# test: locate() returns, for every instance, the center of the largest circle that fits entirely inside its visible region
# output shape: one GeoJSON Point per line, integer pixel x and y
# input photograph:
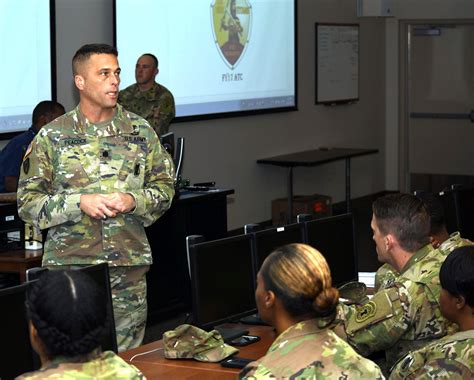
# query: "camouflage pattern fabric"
{"type": "Point", "coordinates": [306, 351]}
{"type": "Point", "coordinates": [190, 342]}
{"type": "Point", "coordinates": [104, 366]}
{"type": "Point", "coordinates": [128, 285]}
{"type": "Point", "coordinates": [451, 357]}
{"type": "Point", "coordinates": [156, 105]}
{"type": "Point", "coordinates": [353, 292]}
{"type": "Point", "coordinates": [404, 314]}
{"type": "Point", "coordinates": [387, 273]}
{"type": "Point", "coordinates": [72, 156]}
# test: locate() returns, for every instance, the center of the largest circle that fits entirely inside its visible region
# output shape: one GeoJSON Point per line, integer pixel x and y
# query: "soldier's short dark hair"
{"type": "Point", "coordinates": [46, 108]}
{"type": "Point", "coordinates": [457, 273]}
{"type": "Point", "coordinates": [153, 57]}
{"type": "Point", "coordinates": [404, 216]}
{"type": "Point", "coordinates": [84, 53]}
{"type": "Point", "coordinates": [435, 208]}
{"type": "Point", "coordinates": [67, 309]}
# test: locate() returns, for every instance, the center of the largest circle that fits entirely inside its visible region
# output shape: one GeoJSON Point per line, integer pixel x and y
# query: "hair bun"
{"type": "Point", "coordinates": [326, 301]}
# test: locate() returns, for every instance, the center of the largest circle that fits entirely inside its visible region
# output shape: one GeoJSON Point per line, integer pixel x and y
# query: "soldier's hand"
{"type": "Point", "coordinates": [120, 202]}
{"type": "Point", "coordinates": [95, 205]}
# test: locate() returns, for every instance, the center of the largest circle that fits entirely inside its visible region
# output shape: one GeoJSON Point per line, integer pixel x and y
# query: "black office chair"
{"type": "Point", "coordinates": [458, 201]}
{"type": "Point", "coordinates": [35, 273]}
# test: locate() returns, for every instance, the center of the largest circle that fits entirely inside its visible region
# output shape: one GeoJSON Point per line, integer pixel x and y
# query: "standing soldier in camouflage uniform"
{"type": "Point", "coordinates": [439, 236]}
{"type": "Point", "coordinates": [95, 177]}
{"type": "Point", "coordinates": [149, 99]}
{"type": "Point", "coordinates": [451, 357]}
{"type": "Point", "coordinates": [294, 294]}
{"type": "Point", "coordinates": [67, 319]}
{"type": "Point", "coordinates": [404, 314]}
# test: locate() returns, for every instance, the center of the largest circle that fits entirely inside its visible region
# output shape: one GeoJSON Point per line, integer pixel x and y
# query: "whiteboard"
{"type": "Point", "coordinates": [337, 63]}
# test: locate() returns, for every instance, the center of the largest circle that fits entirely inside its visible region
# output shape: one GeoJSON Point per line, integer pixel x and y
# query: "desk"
{"type": "Point", "coordinates": [19, 261]}
{"type": "Point", "coordinates": [313, 158]}
{"type": "Point", "coordinates": [155, 366]}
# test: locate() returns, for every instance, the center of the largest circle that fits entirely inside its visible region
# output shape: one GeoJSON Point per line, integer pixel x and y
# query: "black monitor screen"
{"type": "Point", "coordinates": [267, 241]}
{"type": "Point", "coordinates": [464, 198]}
{"type": "Point", "coordinates": [222, 280]}
{"type": "Point", "coordinates": [167, 141]}
{"type": "Point", "coordinates": [16, 354]}
{"type": "Point", "coordinates": [334, 238]}
{"type": "Point", "coordinates": [100, 274]}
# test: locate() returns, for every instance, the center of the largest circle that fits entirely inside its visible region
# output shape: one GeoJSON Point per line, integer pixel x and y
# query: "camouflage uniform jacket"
{"type": "Point", "coordinates": [451, 357]}
{"type": "Point", "coordinates": [156, 105]}
{"type": "Point", "coordinates": [307, 351]}
{"type": "Point", "coordinates": [404, 314]}
{"type": "Point", "coordinates": [386, 272]}
{"type": "Point", "coordinates": [70, 157]}
{"type": "Point", "coordinates": [107, 366]}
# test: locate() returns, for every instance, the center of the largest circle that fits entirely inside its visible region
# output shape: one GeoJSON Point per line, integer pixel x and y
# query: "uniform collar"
{"type": "Point", "coordinates": [113, 127]}
{"type": "Point", "coordinates": [417, 256]}
{"type": "Point", "coordinates": [151, 93]}
{"type": "Point", "coordinates": [32, 131]}
{"type": "Point", "coordinates": [311, 326]}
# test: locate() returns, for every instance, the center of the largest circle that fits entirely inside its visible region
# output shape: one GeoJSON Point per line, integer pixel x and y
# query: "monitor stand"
{"type": "Point", "coordinates": [253, 319]}
{"type": "Point", "coordinates": [230, 333]}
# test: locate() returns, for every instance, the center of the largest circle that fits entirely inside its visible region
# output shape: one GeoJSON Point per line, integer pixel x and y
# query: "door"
{"type": "Point", "coordinates": [438, 96]}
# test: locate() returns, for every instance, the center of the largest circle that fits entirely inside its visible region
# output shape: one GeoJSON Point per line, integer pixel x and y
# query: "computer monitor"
{"type": "Point", "coordinates": [268, 240]}
{"type": "Point", "coordinates": [178, 159]}
{"type": "Point", "coordinates": [12, 228]}
{"type": "Point", "coordinates": [334, 237]}
{"type": "Point", "coordinates": [100, 274]}
{"type": "Point", "coordinates": [16, 354]}
{"type": "Point", "coordinates": [458, 203]}
{"type": "Point", "coordinates": [167, 141]}
{"type": "Point", "coordinates": [222, 280]}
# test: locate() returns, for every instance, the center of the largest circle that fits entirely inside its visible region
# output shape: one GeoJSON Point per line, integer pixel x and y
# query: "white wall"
{"type": "Point", "coordinates": [226, 150]}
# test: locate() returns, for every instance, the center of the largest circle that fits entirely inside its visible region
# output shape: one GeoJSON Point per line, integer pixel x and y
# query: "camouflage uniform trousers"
{"type": "Point", "coordinates": [130, 307]}
{"type": "Point", "coordinates": [128, 286]}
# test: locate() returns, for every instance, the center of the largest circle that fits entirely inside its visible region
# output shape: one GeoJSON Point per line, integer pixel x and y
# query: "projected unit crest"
{"type": "Point", "coordinates": [231, 26]}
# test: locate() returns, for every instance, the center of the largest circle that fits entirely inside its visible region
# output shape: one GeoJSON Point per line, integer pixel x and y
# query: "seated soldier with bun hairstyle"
{"type": "Point", "coordinates": [294, 294]}
{"type": "Point", "coordinates": [68, 317]}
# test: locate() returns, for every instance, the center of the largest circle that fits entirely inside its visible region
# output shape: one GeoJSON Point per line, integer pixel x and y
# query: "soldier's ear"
{"type": "Point", "coordinates": [79, 81]}
{"type": "Point", "coordinates": [460, 302]}
{"type": "Point", "coordinates": [269, 300]}
{"type": "Point", "coordinates": [388, 241]}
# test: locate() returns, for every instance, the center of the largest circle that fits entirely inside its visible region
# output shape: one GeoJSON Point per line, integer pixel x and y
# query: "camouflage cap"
{"type": "Point", "coordinates": [190, 342]}
{"type": "Point", "coordinates": [353, 292]}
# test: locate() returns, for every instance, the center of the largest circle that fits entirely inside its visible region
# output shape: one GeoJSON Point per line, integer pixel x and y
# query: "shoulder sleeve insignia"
{"type": "Point", "coordinates": [384, 305]}
{"type": "Point", "coordinates": [365, 312]}
{"type": "Point", "coordinates": [28, 151]}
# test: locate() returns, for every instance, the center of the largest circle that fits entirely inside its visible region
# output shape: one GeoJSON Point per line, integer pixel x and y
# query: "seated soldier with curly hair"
{"type": "Point", "coordinates": [68, 317]}
{"type": "Point", "coordinates": [451, 357]}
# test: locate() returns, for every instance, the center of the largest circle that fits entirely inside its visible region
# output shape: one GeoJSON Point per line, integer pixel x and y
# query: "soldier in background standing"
{"type": "Point", "coordinates": [147, 98]}
{"type": "Point", "coordinates": [95, 177]}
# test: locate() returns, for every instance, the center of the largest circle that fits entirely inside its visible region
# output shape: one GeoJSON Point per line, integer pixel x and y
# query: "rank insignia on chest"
{"type": "Point", "coordinates": [365, 312]}
{"type": "Point", "coordinates": [136, 130]}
